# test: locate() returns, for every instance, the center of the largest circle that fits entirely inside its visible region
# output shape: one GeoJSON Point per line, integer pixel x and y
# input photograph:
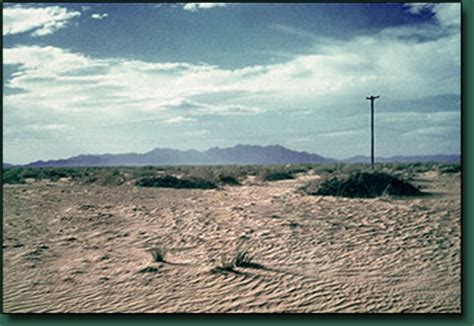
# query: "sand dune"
{"type": "Point", "coordinates": [72, 248]}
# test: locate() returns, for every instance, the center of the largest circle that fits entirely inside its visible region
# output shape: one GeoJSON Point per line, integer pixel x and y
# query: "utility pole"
{"type": "Point", "coordinates": [372, 152]}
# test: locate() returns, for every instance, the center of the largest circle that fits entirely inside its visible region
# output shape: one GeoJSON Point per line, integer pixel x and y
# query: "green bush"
{"type": "Point", "coordinates": [12, 176]}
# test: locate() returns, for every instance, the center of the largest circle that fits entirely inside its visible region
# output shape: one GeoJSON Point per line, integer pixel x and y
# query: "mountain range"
{"type": "Point", "coordinates": [239, 154]}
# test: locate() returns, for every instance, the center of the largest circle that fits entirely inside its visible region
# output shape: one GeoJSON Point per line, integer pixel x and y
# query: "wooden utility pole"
{"type": "Point", "coordinates": [372, 152]}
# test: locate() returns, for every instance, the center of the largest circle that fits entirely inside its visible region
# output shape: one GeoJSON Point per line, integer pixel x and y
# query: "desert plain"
{"type": "Point", "coordinates": [71, 247]}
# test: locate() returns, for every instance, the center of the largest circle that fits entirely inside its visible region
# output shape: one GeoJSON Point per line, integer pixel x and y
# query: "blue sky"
{"type": "Point", "coordinates": [114, 78]}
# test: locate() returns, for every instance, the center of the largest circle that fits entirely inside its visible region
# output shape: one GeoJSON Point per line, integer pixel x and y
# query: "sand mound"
{"type": "Point", "coordinates": [363, 185]}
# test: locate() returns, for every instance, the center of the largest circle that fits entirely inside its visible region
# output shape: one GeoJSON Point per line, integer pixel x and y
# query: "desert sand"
{"type": "Point", "coordinates": [74, 248]}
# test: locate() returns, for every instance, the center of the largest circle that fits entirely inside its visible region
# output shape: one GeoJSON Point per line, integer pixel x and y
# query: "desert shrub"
{"type": "Point", "coordinates": [246, 170]}
{"type": "Point", "coordinates": [340, 168]}
{"type": "Point", "coordinates": [108, 178]}
{"type": "Point", "coordinates": [452, 168]}
{"type": "Point", "coordinates": [168, 181]}
{"type": "Point", "coordinates": [420, 167]}
{"type": "Point", "coordinates": [138, 172]}
{"type": "Point", "coordinates": [275, 174]}
{"type": "Point", "coordinates": [200, 172]}
{"type": "Point", "coordinates": [89, 179]}
{"type": "Point", "coordinates": [12, 176]}
{"type": "Point", "coordinates": [228, 180]}
{"type": "Point", "coordinates": [18, 175]}
{"type": "Point", "coordinates": [363, 185]}
{"type": "Point", "coordinates": [239, 172]}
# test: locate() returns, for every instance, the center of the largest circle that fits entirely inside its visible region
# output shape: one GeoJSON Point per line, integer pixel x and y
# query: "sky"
{"type": "Point", "coordinates": [117, 78]}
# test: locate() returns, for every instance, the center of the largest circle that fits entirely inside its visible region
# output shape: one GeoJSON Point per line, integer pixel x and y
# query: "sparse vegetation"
{"type": "Point", "coordinates": [282, 172]}
{"type": "Point", "coordinates": [211, 177]}
{"type": "Point", "coordinates": [169, 181]}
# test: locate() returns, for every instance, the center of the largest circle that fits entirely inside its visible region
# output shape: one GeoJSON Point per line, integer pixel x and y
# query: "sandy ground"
{"type": "Point", "coordinates": [73, 248]}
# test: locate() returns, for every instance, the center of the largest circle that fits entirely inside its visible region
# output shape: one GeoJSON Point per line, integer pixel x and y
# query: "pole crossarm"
{"type": "Point", "coordinates": [372, 98]}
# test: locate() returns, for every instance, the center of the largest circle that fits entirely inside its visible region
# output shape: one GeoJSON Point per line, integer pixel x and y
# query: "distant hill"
{"type": "Point", "coordinates": [407, 159]}
{"type": "Point", "coordinates": [239, 154]}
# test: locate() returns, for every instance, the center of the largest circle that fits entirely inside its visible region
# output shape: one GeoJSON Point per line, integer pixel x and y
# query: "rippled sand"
{"type": "Point", "coordinates": [72, 248]}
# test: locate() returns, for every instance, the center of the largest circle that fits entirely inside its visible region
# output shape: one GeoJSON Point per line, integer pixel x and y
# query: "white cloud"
{"type": "Point", "coordinates": [232, 109]}
{"type": "Point", "coordinates": [196, 6]}
{"type": "Point", "coordinates": [179, 120]}
{"type": "Point", "coordinates": [198, 108]}
{"type": "Point", "coordinates": [99, 16]}
{"type": "Point", "coordinates": [390, 65]}
{"type": "Point", "coordinates": [417, 8]}
{"type": "Point", "coordinates": [47, 127]}
{"type": "Point", "coordinates": [38, 20]}
{"type": "Point", "coordinates": [447, 14]}
{"type": "Point", "coordinates": [293, 31]}
{"type": "Point", "coordinates": [393, 64]}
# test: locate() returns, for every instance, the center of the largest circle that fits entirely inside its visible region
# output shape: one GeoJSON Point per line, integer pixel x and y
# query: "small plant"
{"type": "Point", "coordinates": [244, 260]}
{"type": "Point", "coordinates": [158, 255]}
{"type": "Point", "coordinates": [225, 267]}
{"type": "Point", "coordinates": [241, 259]}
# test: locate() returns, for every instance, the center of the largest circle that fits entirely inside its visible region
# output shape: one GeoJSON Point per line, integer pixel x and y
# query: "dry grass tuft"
{"type": "Point", "coordinates": [241, 259]}
{"type": "Point", "coordinates": [158, 254]}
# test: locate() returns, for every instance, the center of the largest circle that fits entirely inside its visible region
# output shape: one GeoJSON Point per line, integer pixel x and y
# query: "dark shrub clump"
{"type": "Point", "coordinates": [364, 185]}
{"type": "Point", "coordinates": [272, 175]}
{"type": "Point", "coordinates": [453, 168]}
{"type": "Point", "coordinates": [229, 180]}
{"type": "Point", "coordinates": [173, 182]}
